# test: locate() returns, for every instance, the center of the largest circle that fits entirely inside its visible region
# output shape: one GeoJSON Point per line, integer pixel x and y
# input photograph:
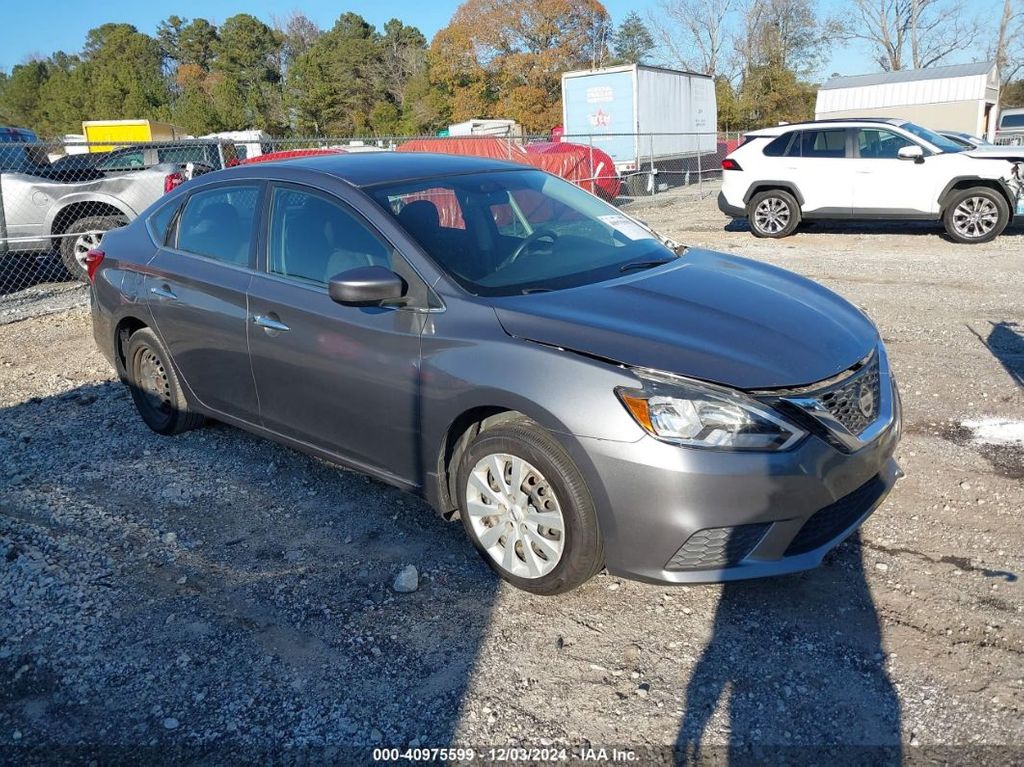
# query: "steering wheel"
{"type": "Point", "coordinates": [527, 243]}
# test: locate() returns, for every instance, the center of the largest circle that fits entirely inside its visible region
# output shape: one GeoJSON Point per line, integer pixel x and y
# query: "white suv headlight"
{"type": "Point", "coordinates": [696, 414]}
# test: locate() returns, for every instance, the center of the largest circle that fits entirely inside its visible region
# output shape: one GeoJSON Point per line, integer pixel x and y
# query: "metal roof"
{"type": "Point", "coordinates": [910, 75]}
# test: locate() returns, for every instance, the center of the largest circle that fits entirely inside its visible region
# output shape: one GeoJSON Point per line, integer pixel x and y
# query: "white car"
{"type": "Point", "coordinates": [868, 169]}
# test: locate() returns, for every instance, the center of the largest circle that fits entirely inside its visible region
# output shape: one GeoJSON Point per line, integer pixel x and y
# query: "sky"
{"type": "Point", "coordinates": [23, 34]}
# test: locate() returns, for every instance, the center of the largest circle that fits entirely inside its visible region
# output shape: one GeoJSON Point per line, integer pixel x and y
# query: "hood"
{"type": "Point", "coordinates": [709, 316]}
{"type": "Point", "coordinates": [997, 151]}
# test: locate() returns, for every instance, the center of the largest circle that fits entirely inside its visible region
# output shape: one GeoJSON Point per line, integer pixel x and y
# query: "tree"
{"type": "Point", "coordinates": [785, 35]}
{"type": "Point", "coordinates": [1008, 51]}
{"type": "Point", "coordinates": [21, 94]}
{"type": "Point", "coordinates": [331, 86]}
{"type": "Point", "coordinates": [504, 58]}
{"type": "Point", "coordinates": [123, 73]}
{"type": "Point", "coordinates": [632, 41]}
{"type": "Point", "coordinates": [247, 92]}
{"type": "Point", "coordinates": [910, 33]}
{"type": "Point", "coordinates": [694, 34]}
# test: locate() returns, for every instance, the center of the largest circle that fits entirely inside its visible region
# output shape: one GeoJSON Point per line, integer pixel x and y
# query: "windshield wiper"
{"type": "Point", "coordinates": [644, 264]}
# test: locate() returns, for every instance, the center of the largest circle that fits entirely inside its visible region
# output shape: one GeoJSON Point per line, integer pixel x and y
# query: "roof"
{"type": "Point", "coordinates": [910, 75]}
{"type": "Point", "coordinates": [372, 168]}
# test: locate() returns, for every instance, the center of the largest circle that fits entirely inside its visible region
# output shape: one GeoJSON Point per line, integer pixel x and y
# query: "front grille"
{"type": "Point", "coordinates": [855, 401]}
{"type": "Point", "coordinates": [828, 523]}
{"type": "Point", "coordinates": [717, 547]}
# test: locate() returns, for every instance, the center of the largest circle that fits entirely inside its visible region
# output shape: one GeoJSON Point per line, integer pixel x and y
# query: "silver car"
{"type": "Point", "coordinates": [579, 391]}
{"type": "Point", "coordinates": [46, 207]}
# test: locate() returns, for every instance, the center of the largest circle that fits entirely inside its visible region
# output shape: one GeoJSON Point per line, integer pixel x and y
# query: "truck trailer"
{"type": "Point", "coordinates": [646, 118]}
{"type": "Point", "coordinates": [105, 135]}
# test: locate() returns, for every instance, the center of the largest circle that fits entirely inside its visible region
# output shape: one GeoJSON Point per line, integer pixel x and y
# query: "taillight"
{"type": "Point", "coordinates": [730, 164]}
{"type": "Point", "coordinates": [173, 181]}
{"type": "Point", "coordinates": [93, 259]}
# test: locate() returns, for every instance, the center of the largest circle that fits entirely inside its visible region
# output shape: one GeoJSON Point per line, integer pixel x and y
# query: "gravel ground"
{"type": "Point", "coordinates": [216, 589]}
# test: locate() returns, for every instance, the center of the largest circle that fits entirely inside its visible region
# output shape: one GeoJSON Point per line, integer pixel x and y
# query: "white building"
{"type": "Point", "coordinates": [962, 97]}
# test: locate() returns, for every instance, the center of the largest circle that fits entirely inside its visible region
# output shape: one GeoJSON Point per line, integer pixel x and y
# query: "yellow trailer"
{"type": "Point", "coordinates": [104, 135]}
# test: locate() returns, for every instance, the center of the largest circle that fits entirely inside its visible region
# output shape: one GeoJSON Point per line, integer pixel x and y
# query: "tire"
{"type": "Point", "coordinates": [77, 241]}
{"type": "Point", "coordinates": [774, 214]}
{"type": "Point", "coordinates": [155, 388]}
{"type": "Point", "coordinates": [554, 484]}
{"type": "Point", "coordinates": [976, 215]}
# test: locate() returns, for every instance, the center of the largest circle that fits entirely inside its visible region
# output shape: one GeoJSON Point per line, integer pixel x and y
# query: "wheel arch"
{"type": "Point", "coordinates": [968, 182]}
{"type": "Point", "coordinates": [766, 186]}
{"type": "Point", "coordinates": [125, 328]}
{"type": "Point", "coordinates": [460, 432]}
{"type": "Point", "coordinates": [62, 218]}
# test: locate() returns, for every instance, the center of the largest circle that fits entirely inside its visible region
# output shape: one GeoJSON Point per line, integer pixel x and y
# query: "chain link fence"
{"type": "Point", "coordinates": [57, 199]}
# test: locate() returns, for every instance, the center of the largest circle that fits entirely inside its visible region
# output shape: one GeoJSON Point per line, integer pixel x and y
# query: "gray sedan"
{"type": "Point", "coordinates": [579, 391]}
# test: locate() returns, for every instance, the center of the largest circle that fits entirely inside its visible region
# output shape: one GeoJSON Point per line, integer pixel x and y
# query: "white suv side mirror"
{"type": "Point", "coordinates": [914, 153]}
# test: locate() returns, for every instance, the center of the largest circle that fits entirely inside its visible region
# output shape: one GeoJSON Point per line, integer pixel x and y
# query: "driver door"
{"type": "Point", "coordinates": [884, 184]}
{"type": "Point", "coordinates": [344, 379]}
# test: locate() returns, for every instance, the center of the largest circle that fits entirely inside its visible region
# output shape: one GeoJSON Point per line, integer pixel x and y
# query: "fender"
{"type": "Point", "coordinates": [86, 197]}
{"type": "Point", "coordinates": [1004, 187]}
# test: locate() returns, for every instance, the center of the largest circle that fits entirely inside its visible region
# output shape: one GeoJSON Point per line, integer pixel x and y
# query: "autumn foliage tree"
{"type": "Point", "coordinates": [506, 57]}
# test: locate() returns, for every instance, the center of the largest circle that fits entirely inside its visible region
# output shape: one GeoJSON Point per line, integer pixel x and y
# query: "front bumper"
{"type": "Point", "coordinates": [740, 515]}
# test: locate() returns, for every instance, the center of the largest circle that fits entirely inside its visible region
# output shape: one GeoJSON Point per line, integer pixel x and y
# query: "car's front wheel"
{"type": "Point", "coordinates": [774, 213]}
{"type": "Point", "coordinates": [155, 388]}
{"type": "Point", "coordinates": [976, 215]}
{"type": "Point", "coordinates": [527, 509]}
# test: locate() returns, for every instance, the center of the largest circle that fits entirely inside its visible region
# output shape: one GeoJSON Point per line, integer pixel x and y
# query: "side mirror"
{"type": "Point", "coordinates": [366, 286]}
{"type": "Point", "coordinates": [914, 153]}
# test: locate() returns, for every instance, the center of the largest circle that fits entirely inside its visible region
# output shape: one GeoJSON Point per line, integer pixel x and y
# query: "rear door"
{"type": "Point", "coordinates": [817, 162]}
{"type": "Point", "coordinates": [340, 378]}
{"type": "Point", "coordinates": [196, 289]}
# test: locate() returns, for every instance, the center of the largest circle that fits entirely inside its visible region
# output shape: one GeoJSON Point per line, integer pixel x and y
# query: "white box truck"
{"type": "Point", "coordinates": [646, 118]}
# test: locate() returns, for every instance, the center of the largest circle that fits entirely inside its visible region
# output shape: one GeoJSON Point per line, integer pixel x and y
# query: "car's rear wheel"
{"type": "Point", "coordinates": [155, 388]}
{"type": "Point", "coordinates": [82, 236]}
{"type": "Point", "coordinates": [774, 213]}
{"type": "Point", "coordinates": [527, 509]}
{"type": "Point", "coordinates": [976, 215]}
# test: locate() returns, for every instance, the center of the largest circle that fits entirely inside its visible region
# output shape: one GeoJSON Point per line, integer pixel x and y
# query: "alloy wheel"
{"type": "Point", "coordinates": [772, 215]}
{"type": "Point", "coordinates": [85, 242]}
{"type": "Point", "coordinates": [515, 515]}
{"type": "Point", "coordinates": [975, 217]}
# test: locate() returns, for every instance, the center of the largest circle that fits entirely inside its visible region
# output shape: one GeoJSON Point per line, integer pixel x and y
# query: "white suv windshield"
{"type": "Point", "coordinates": [512, 232]}
{"type": "Point", "coordinates": [935, 139]}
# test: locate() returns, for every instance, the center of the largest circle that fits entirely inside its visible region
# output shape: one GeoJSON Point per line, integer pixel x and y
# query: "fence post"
{"type": "Point", "coordinates": [651, 176]}
{"type": "Point", "coordinates": [593, 186]}
{"type": "Point", "coordinates": [3, 218]}
{"type": "Point", "coordinates": [700, 170]}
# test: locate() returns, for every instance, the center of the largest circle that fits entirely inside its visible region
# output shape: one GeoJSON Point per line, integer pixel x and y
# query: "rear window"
{"type": "Point", "coordinates": [1012, 121]}
{"type": "Point", "coordinates": [822, 143]}
{"type": "Point", "coordinates": [159, 222]}
{"type": "Point", "coordinates": [779, 147]}
{"type": "Point", "coordinates": [217, 223]}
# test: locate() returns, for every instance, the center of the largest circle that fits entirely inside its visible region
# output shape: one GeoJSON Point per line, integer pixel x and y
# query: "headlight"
{"type": "Point", "coordinates": [696, 414]}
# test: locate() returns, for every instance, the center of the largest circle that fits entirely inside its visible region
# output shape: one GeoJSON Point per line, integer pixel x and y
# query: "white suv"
{"type": "Point", "coordinates": [868, 169]}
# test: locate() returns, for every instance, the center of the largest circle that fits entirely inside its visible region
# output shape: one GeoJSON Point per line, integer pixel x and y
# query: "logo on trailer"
{"type": "Point", "coordinates": [600, 119]}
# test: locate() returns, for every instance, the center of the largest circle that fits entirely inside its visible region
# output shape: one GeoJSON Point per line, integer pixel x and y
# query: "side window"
{"type": "Point", "coordinates": [161, 220]}
{"type": "Point", "coordinates": [313, 238]}
{"type": "Point", "coordinates": [182, 154]}
{"type": "Point", "coordinates": [779, 147]}
{"type": "Point", "coordinates": [217, 223]}
{"type": "Point", "coordinates": [128, 158]}
{"type": "Point", "coordinates": [878, 143]}
{"type": "Point", "coordinates": [822, 143]}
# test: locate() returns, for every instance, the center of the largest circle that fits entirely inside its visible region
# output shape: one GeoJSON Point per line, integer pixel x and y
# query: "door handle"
{"type": "Point", "coordinates": [269, 323]}
{"type": "Point", "coordinates": [164, 291]}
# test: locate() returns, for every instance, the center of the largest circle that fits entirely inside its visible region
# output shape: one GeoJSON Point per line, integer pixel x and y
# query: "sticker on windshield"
{"type": "Point", "coordinates": [629, 228]}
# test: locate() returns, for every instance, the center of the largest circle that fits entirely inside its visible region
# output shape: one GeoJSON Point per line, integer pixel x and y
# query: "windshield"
{"type": "Point", "coordinates": [935, 139]}
{"type": "Point", "coordinates": [510, 232]}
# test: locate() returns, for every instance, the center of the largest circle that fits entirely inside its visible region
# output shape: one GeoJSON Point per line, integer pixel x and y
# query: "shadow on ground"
{"type": "Point", "coordinates": [790, 651]}
{"type": "Point", "coordinates": [215, 588]}
{"type": "Point", "coordinates": [1006, 343]}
